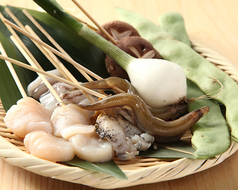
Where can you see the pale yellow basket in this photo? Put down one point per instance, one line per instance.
(139, 171)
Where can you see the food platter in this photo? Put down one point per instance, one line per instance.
(140, 171)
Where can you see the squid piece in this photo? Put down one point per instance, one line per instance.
(49, 147)
(163, 131)
(121, 85)
(66, 92)
(69, 115)
(37, 87)
(27, 116)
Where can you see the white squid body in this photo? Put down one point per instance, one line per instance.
(66, 92)
(49, 147)
(67, 116)
(37, 87)
(27, 116)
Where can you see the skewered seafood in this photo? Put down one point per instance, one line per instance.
(27, 116)
(37, 87)
(89, 147)
(69, 115)
(66, 92)
(49, 147)
(129, 131)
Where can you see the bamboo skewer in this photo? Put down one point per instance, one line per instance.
(53, 76)
(13, 73)
(9, 26)
(88, 25)
(95, 22)
(51, 57)
(37, 41)
(9, 12)
(31, 59)
(16, 36)
(31, 18)
(52, 49)
(37, 65)
(57, 63)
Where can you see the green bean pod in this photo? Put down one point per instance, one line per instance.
(211, 136)
(173, 23)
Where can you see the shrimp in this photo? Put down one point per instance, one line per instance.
(49, 147)
(27, 116)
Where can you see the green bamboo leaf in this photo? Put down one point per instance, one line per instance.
(109, 168)
(174, 150)
(78, 48)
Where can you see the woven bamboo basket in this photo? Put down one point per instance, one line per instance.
(139, 171)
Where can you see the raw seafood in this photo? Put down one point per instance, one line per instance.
(68, 115)
(49, 147)
(119, 85)
(66, 92)
(27, 116)
(37, 87)
(89, 147)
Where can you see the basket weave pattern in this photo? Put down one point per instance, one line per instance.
(139, 171)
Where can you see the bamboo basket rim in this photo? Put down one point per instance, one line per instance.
(139, 171)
